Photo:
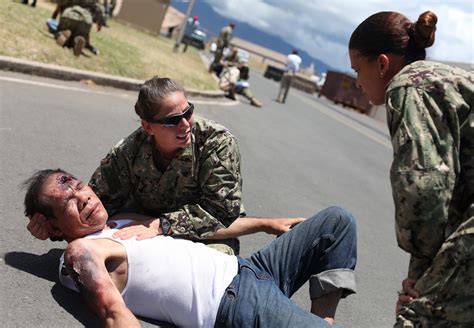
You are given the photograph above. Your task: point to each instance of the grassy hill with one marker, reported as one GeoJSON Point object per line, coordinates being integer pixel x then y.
{"type": "Point", "coordinates": [124, 51]}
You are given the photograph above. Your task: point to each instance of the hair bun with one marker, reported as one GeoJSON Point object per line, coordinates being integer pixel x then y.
{"type": "Point", "coordinates": [423, 31]}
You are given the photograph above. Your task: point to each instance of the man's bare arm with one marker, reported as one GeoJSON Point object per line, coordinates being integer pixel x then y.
{"type": "Point", "coordinates": [240, 227]}
{"type": "Point", "coordinates": [248, 225]}
{"type": "Point", "coordinates": [85, 260]}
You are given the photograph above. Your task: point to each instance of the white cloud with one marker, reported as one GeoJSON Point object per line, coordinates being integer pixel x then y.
{"type": "Point", "coordinates": [322, 28]}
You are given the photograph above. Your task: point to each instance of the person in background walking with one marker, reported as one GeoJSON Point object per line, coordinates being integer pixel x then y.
{"type": "Point", "coordinates": [292, 66]}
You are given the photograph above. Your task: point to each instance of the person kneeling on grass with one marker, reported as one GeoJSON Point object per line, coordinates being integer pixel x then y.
{"type": "Point", "coordinates": [75, 23]}
{"type": "Point", "coordinates": [194, 285]}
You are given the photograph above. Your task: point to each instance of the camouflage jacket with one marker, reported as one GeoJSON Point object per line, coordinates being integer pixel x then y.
{"type": "Point", "coordinates": [431, 121]}
{"type": "Point", "coordinates": [447, 287]}
{"type": "Point", "coordinates": [199, 191]}
{"type": "Point", "coordinates": [95, 8]}
{"type": "Point", "coordinates": [76, 14]}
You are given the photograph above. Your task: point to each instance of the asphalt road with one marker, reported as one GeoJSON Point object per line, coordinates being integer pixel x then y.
{"type": "Point", "coordinates": [297, 159]}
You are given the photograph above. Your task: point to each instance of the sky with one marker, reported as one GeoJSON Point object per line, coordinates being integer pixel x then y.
{"type": "Point", "coordinates": [323, 27]}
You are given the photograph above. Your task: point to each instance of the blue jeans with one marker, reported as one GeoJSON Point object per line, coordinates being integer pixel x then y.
{"type": "Point", "coordinates": [321, 249]}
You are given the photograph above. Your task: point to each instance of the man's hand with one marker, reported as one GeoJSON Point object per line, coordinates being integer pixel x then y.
{"type": "Point", "coordinates": [142, 230]}
{"type": "Point", "coordinates": [279, 226]}
{"type": "Point", "coordinates": [407, 293]}
{"type": "Point", "coordinates": [39, 227]}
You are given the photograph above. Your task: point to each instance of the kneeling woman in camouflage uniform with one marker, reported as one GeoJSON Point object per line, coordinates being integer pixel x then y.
{"type": "Point", "coordinates": [431, 121]}
{"type": "Point", "coordinates": [178, 169]}
{"type": "Point", "coordinates": [179, 172]}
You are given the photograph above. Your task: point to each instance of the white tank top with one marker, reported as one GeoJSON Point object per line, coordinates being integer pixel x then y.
{"type": "Point", "coordinates": [173, 280]}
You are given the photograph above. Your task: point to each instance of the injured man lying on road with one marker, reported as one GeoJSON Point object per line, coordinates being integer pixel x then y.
{"type": "Point", "coordinates": [187, 283]}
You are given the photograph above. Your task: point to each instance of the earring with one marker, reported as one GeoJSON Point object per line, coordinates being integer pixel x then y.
{"type": "Point", "coordinates": [381, 74]}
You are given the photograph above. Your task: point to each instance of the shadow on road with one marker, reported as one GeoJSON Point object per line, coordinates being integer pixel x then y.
{"type": "Point", "coordinates": [43, 266]}
{"type": "Point", "coordinates": [46, 267]}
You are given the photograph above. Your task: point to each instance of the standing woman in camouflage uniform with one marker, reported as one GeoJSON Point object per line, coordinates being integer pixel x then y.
{"type": "Point", "coordinates": [431, 122]}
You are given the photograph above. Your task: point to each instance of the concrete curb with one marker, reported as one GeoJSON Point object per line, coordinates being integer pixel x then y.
{"type": "Point", "coordinates": [72, 74]}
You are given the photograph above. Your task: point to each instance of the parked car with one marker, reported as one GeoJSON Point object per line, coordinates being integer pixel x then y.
{"type": "Point", "coordinates": [196, 39]}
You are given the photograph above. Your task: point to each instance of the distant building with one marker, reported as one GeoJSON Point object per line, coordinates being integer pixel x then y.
{"type": "Point", "coordinates": [144, 14]}
{"type": "Point", "coordinates": [172, 21]}
{"type": "Point", "coordinates": [261, 54]}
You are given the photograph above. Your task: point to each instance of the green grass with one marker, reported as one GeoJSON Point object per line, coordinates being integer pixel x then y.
{"type": "Point", "coordinates": [124, 51]}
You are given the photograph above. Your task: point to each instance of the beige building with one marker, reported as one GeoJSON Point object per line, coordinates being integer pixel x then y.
{"type": "Point", "coordinates": [261, 55]}
{"type": "Point", "coordinates": [144, 14]}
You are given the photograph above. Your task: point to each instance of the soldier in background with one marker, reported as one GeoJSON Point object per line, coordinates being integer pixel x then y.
{"type": "Point", "coordinates": [223, 41]}
{"type": "Point", "coordinates": [74, 28]}
{"type": "Point", "coordinates": [75, 23]}
{"type": "Point", "coordinates": [430, 116]}
{"type": "Point", "coordinates": [232, 59]}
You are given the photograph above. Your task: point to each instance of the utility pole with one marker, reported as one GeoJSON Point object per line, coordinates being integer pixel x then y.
{"type": "Point", "coordinates": [183, 26]}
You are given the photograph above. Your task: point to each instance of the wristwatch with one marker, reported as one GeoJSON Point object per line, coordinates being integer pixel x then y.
{"type": "Point", "coordinates": [165, 226]}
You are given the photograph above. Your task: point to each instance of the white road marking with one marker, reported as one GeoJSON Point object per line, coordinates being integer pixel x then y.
{"type": "Point", "coordinates": [62, 87]}
{"type": "Point", "coordinates": [121, 95]}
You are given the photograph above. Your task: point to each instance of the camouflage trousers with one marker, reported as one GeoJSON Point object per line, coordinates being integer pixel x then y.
{"type": "Point", "coordinates": [218, 56]}
{"type": "Point", "coordinates": [227, 246]}
{"type": "Point", "coordinates": [76, 19]}
{"type": "Point", "coordinates": [447, 287]}
{"type": "Point", "coordinates": [223, 248]}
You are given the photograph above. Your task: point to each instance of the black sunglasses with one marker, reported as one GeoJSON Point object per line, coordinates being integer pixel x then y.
{"type": "Point", "coordinates": [175, 119]}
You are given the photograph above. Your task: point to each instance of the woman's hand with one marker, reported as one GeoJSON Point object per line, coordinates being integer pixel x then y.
{"type": "Point", "coordinates": [142, 230]}
{"type": "Point", "coordinates": [39, 226]}
{"type": "Point", "coordinates": [279, 226]}
{"type": "Point", "coordinates": [407, 293]}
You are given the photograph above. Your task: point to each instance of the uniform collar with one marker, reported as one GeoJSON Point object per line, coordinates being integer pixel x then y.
{"type": "Point", "coordinates": [144, 163]}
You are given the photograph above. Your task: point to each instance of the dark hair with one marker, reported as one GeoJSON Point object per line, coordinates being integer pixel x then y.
{"type": "Point", "coordinates": [244, 72]}
{"type": "Point", "coordinates": [294, 52]}
{"type": "Point", "coordinates": [34, 200]}
{"type": "Point", "coordinates": [392, 32]}
{"type": "Point", "coordinates": [152, 93]}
